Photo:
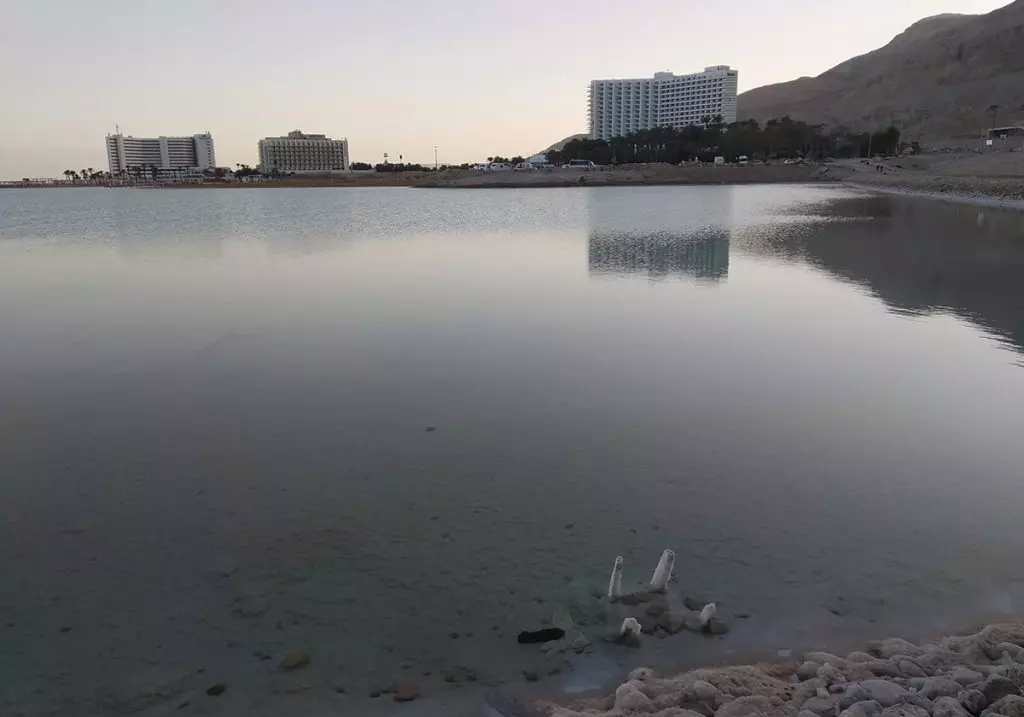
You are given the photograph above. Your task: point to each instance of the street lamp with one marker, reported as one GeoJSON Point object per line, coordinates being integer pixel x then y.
{"type": "Point", "coordinates": [435, 157]}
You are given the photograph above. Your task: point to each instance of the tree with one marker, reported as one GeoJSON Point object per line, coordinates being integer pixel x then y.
{"type": "Point", "coordinates": [360, 166]}
{"type": "Point", "coordinates": [518, 160]}
{"type": "Point", "coordinates": [67, 174]}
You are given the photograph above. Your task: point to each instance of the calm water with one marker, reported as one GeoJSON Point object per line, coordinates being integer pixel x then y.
{"type": "Point", "coordinates": [214, 444]}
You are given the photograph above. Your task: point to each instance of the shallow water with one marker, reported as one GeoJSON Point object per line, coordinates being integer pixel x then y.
{"type": "Point", "coordinates": [214, 442]}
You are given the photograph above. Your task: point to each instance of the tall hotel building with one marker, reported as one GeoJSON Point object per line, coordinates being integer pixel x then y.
{"type": "Point", "coordinates": [618, 107]}
{"type": "Point", "coordinates": [193, 153]}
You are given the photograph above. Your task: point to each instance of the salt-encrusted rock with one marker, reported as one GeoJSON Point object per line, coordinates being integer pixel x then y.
{"type": "Point", "coordinates": [965, 676]}
{"type": "Point", "coordinates": [996, 687]}
{"type": "Point", "coordinates": [808, 670]}
{"type": "Point", "coordinates": [1009, 706]}
{"type": "Point", "coordinates": [936, 687]}
{"type": "Point", "coordinates": [747, 707]}
{"type": "Point", "coordinates": [884, 693]}
{"type": "Point", "coordinates": [949, 707]}
{"type": "Point", "coordinates": [867, 708]}
{"type": "Point", "coordinates": [972, 700]}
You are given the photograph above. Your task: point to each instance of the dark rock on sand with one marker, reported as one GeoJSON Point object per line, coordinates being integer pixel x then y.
{"type": "Point", "coordinates": [972, 700]}
{"type": "Point", "coordinates": [996, 687]}
{"type": "Point", "coordinates": [530, 676]}
{"type": "Point", "coordinates": [216, 690]}
{"type": "Point", "coordinates": [545, 635]}
{"type": "Point", "coordinates": [295, 660]}
{"type": "Point", "coordinates": [406, 693]}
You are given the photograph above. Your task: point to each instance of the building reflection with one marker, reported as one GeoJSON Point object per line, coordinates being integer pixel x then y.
{"type": "Point", "coordinates": [699, 255]}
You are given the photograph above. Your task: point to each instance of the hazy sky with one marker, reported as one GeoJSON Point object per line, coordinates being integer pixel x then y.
{"type": "Point", "coordinates": [475, 77]}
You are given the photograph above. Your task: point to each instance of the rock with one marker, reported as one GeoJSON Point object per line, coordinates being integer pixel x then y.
{"type": "Point", "coordinates": [829, 674]}
{"type": "Point", "coordinates": [1016, 652]}
{"type": "Point", "coordinates": [936, 687]}
{"type": "Point", "coordinates": [716, 627]}
{"type": "Point", "coordinates": [747, 707]}
{"type": "Point", "coordinates": [539, 636]}
{"type": "Point", "coordinates": [807, 671]}
{"type": "Point", "coordinates": [904, 710]}
{"type": "Point", "coordinates": [949, 707]}
{"type": "Point", "coordinates": [642, 674]}
{"type": "Point", "coordinates": [216, 690]}
{"type": "Point", "coordinates": [972, 700]}
{"type": "Point", "coordinates": [695, 604]}
{"type": "Point", "coordinates": [295, 660]}
{"type": "Point", "coordinates": [634, 701]}
{"type": "Point", "coordinates": [884, 693]}
{"type": "Point", "coordinates": [996, 687]}
{"type": "Point", "coordinates": [1010, 706]}
{"type": "Point", "coordinates": [807, 713]}
{"type": "Point", "coordinates": [822, 657]}
{"type": "Point", "coordinates": [672, 621]}
{"type": "Point", "coordinates": [867, 708]}
{"type": "Point", "coordinates": [250, 607]}
{"type": "Point", "coordinates": [853, 694]}
{"type": "Point", "coordinates": [530, 676]}
{"type": "Point", "coordinates": [705, 691]}
{"type": "Point", "coordinates": [859, 657]}
{"type": "Point", "coordinates": [656, 609]}
{"type": "Point", "coordinates": [823, 706]}
{"type": "Point", "coordinates": [406, 693]}
{"type": "Point", "coordinates": [648, 624]}
{"type": "Point", "coordinates": [965, 676]}
{"type": "Point", "coordinates": [892, 647]}
{"type": "Point", "coordinates": [883, 668]}
{"type": "Point", "coordinates": [918, 701]}
{"type": "Point", "coordinates": [909, 668]}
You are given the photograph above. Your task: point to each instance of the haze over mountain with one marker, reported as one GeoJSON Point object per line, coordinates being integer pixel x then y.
{"type": "Point", "coordinates": [936, 80]}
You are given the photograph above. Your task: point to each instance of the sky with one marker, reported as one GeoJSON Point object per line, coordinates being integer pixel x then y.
{"type": "Point", "coordinates": [473, 77]}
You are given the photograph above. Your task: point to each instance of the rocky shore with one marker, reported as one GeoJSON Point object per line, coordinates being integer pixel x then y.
{"type": "Point", "coordinates": [972, 675]}
{"type": "Point", "coordinates": [1007, 191]}
{"type": "Point", "coordinates": [630, 175]}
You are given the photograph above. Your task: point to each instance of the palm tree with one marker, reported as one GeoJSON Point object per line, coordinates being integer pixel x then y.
{"type": "Point", "coordinates": [67, 174]}
{"type": "Point", "coordinates": [994, 109]}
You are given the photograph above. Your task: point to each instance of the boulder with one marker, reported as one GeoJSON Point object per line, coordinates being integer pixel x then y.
{"type": "Point", "coordinates": [936, 687]}
{"type": "Point", "coordinates": [808, 670]}
{"type": "Point", "coordinates": [822, 657]}
{"type": "Point", "coordinates": [747, 707]}
{"type": "Point", "coordinates": [1010, 706]}
{"type": "Point", "coordinates": [905, 710]}
{"type": "Point", "coordinates": [949, 707]}
{"type": "Point", "coordinates": [859, 657]}
{"type": "Point", "coordinates": [705, 691]}
{"type": "Point", "coordinates": [892, 647]}
{"type": "Point", "coordinates": [884, 693]}
{"type": "Point", "coordinates": [909, 668]}
{"type": "Point", "coordinates": [973, 701]}
{"type": "Point", "coordinates": [854, 693]}
{"type": "Point", "coordinates": [883, 668]}
{"type": "Point", "coordinates": [822, 706]}
{"type": "Point", "coordinates": [964, 676]}
{"type": "Point", "coordinates": [867, 708]}
{"type": "Point", "coordinates": [634, 701]}
{"type": "Point", "coordinates": [996, 687]}
{"type": "Point", "coordinates": [917, 701]}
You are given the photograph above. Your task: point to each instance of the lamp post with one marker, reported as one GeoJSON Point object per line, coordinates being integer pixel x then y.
{"type": "Point", "coordinates": [435, 157]}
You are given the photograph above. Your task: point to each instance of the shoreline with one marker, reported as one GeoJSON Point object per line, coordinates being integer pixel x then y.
{"type": "Point", "coordinates": [959, 674]}
{"type": "Point", "coordinates": [973, 198]}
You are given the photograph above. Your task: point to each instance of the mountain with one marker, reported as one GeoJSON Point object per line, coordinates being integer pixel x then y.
{"type": "Point", "coordinates": [561, 143]}
{"type": "Point", "coordinates": [935, 80]}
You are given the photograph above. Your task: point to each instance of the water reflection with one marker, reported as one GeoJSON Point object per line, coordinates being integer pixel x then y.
{"type": "Point", "coordinates": [919, 257]}
{"type": "Point", "coordinates": [701, 255]}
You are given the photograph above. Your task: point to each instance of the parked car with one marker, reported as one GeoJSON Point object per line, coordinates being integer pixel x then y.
{"type": "Point", "coordinates": [579, 164]}
{"type": "Point", "coordinates": [524, 166]}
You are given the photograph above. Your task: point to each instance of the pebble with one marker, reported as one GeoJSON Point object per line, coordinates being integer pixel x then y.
{"type": "Point", "coordinates": [406, 693]}
{"type": "Point", "coordinates": [295, 660]}
{"type": "Point", "coordinates": [216, 690]}
{"type": "Point", "coordinates": [530, 675]}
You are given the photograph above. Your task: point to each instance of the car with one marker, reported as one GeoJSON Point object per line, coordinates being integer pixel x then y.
{"type": "Point", "coordinates": [524, 166]}
{"type": "Point", "coordinates": [579, 164]}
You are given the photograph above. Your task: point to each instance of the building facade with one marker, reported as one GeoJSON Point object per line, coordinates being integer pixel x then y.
{"type": "Point", "coordinates": [618, 107]}
{"type": "Point", "coordinates": [299, 152]}
{"type": "Point", "coordinates": [193, 153]}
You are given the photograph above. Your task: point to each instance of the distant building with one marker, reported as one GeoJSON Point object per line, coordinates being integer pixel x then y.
{"type": "Point", "coordinates": [618, 107]}
{"type": "Point", "coordinates": [193, 153]}
{"type": "Point", "coordinates": [300, 152]}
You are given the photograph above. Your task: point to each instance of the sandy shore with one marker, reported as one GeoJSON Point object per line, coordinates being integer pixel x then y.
{"type": "Point", "coordinates": [631, 175]}
{"type": "Point", "coordinates": [980, 673]}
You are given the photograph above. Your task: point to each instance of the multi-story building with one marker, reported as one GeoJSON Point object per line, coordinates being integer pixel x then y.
{"type": "Point", "coordinates": [193, 153]}
{"type": "Point", "coordinates": [300, 152]}
{"type": "Point", "coordinates": [618, 107]}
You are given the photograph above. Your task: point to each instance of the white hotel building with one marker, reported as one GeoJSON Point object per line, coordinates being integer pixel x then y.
{"type": "Point", "coordinates": [193, 153]}
{"type": "Point", "coordinates": [300, 152]}
{"type": "Point", "coordinates": [618, 107]}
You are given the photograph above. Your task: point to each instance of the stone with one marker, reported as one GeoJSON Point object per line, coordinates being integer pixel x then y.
{"type": "Point", "coordinates": [892, 647]}
{"type": "Point", "coordinates": [295, 660]}
{"type": "Point", "coordinates": [538, 636]}
{"type": "Point", "coordinates": [996, 687]}
{"type": "Point", "coordinates": [884, 693]}
{"type": "Point", "coordinates": [1016, 652]}
{"type": "Point", "coordinates": [747, 707]}
{"type": "Point", "coordinates": [917, 701]}
{"type": "Point", "coordinates": [656, 609]}
{"type": "Point", "coordinates": [216, 690]}
{"type": "Point", "coordinates": [1010, 706]}
{"type": "Point", "coordinates": [823, 706]}
{"type": "Point", "coordinates": [634, 701]}
{"type": "Point", "coordinates": [406, 693]}
{"type": "Point", "coordinates": [672, 621]}
{"type": "Point", "coordinates": [808, 670]}
{"type": "Point", "coordinates": [965, 676]}
{"type": "Point", "coordinates": [859, 657]}
{"type": "Point", "coordinates": [822, 657]}
{"type": "Point", "coordinates": [695, 604]}
{"type": "Point", "coordinates": [807, 713]}
{"type": "Point", "coordinates": [530, 676]}
{"type": "Point", "coordinates": [883, 668]}
{"type": "Point", "coordinates": [936, 687]}
{"type": "Point", "coordinates": [949, 707]}
{"type": "Point", "coordinates": [904, 710]}
{"type": "Point", "coordinates": [909, 668]}
{"type": "Point", "coordinates": [973, 701]}
{"type": "Point", "coordinates": [853, 694]}
{"type": "Point", "coordinates": [866, 708]}
{"type": "Point", "coordinates": [705, 691]}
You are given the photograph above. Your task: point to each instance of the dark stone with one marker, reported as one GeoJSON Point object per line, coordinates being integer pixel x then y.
{"type": "Point", "coordinates": [406, 693]}
{"type": "Point", "coordinates": [545, 635]}
{"type": "Point", "coordinates": [695, 604]}
{"type": "Point", "coordinates": [450, 677]}
{"type": "Point", "coordinates": [375, 694]}
{"type": "Point", "coordinates": [530, 675]}
{"type": "Point", "coordinates": [973, 701]}
{"type": "Point", "coordinates": [455, 635]}
{"type": "Point", "coordinates": [554, 671]}
{"type": "Point", "coordinates": [216, 690]}
{"type": "Point", "coordinates": [431, 429]}
{"type": "Point", "coordinates": [656, 609]}
{"type": "Point", "coordinates": [949, 707]}
{"type": "Point", "coordinates": [66, 628]}
{"type": "Point", "coordinates": [295, 660]}
{"type": "Point", "coordinates": [340, 690]}
{"type": "Point", "coordinates": [472, 675]}
{"type": "Point", "coordinates": [996, 687]}
{"type": "Point", "coordinates": [743, 616]}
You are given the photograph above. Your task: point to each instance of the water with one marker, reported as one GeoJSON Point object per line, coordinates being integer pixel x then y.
{"type": "Point", "coordinates": [215, 442]}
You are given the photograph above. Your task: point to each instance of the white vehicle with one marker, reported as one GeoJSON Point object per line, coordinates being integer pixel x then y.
{"type": "Point", "coordinates": [498, 166]}
{"type": "Point", "coordinates": [523, 166]}
{"type": "Point", "coordinates": [743, 160]}
{"type": "Point", "coordinates": [579, 164]}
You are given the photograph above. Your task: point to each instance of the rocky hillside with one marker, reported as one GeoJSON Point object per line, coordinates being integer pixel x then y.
{"type": "Point", "coordinates": [936, 80]}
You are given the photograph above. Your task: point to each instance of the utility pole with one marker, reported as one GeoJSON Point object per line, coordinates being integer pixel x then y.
{"type": "Point", "coordinates": [435, 157]}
